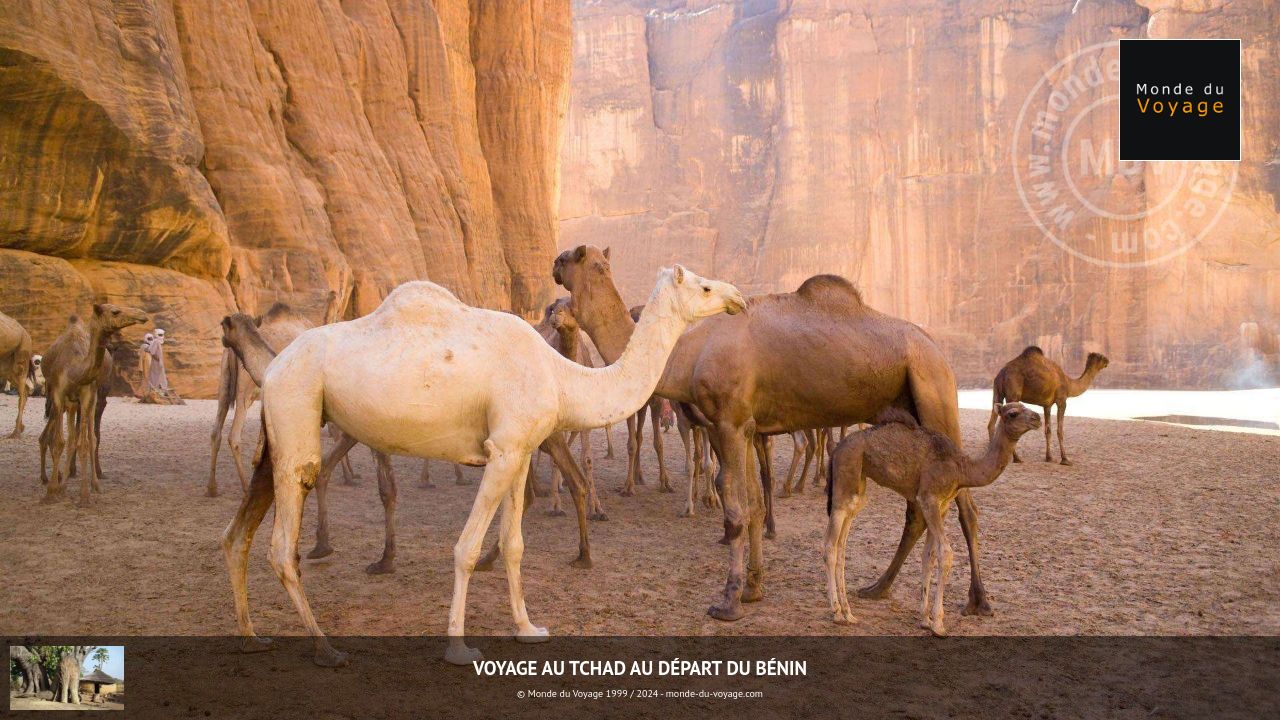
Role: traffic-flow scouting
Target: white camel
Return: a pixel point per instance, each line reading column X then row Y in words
column 455, row 383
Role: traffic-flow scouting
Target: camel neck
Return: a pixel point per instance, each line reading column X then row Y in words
column 1077, row 385
column 254, row 353
column 605, row 318
column 985, row 469
column 594, row 398
column 97, row 351
column 568, row 344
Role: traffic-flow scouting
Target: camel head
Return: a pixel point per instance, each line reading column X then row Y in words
column 697, row 297
column 560, row 315
column 1096, row 360
column 1017, row 419
column 237, row 326
column 579, row 268
column 115, row 317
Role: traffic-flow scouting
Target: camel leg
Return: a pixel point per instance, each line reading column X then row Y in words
column 243, row 401
column 512, row 540
column 810, row 449
column 386, row 491
column 635, row 431
column 588, row 467
column 926, row 581
column 291, row 486
column 226, row 394
column 501, row 477
column 655, row 422
column 88, row 443
column 968, row 511
column 556, row 477
column 820, row 454
column 937, row 563
column 911, row 529
column 54, row 427
column 593, row 501
column 424, row 479
column 46, row 438
column 608, row 442
column 847, row 499
column 764, row 455
column 235, row 547
column 796, row 443
column 1062, row 413
column 84, row 439
column 338, row 453
column 733, row 444
column 73, row 440
column 1048, row 438
column 710, row 466
column 348, row 473
column 557, row 447
column 842, row 587
column 757, row 521
column 19, row 379
column 458, row 478
column 99, row 409
column 690, row 469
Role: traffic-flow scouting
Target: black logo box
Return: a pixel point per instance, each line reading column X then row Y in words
column 1185, row 65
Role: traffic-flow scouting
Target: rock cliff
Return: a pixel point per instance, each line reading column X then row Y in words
column 763, row 141
column 192, row 157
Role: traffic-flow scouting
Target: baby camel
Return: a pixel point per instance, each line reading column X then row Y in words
column 448, row 389
column 927, row 469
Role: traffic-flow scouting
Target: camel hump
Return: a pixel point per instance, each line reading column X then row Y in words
column 1031, row 350
column 418, row 296
column 830, row 287
column 892, row 415
column 276, row 310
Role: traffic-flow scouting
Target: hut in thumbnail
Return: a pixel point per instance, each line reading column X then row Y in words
column 98, row 684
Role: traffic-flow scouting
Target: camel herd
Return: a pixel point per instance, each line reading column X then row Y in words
column 485, row 388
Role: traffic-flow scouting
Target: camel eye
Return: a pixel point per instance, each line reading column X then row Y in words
column 115, row 312
column 706, row 289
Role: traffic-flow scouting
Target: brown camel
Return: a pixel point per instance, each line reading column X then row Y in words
column 241, row 335
column 1034, row 379
column 106, row 377
column 928, row 470
column 15, row 364
column 756, row 373
column 278, row 326
column 72, row 370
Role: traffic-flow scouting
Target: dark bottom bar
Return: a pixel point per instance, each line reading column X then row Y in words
column 1113, row 677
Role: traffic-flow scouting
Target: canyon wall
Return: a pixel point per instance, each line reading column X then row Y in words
column 764, row 141
column 195, row 157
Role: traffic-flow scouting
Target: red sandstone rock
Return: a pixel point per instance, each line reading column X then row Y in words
column 763, row 142
column 192, row 157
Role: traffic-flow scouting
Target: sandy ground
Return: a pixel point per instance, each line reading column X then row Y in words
column 1157, row 529
column 35, row 703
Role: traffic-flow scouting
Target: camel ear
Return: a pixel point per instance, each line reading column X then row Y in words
column 98, row 310
column 679, row 274
column 606, row 253
column 579, row 253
